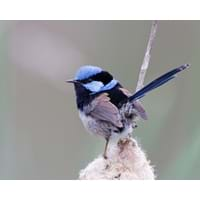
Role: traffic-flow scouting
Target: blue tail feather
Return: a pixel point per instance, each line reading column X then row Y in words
column 157, row 82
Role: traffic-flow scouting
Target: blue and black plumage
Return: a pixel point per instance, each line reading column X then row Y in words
column 105, row 107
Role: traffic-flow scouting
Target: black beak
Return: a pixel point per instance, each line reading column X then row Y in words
column 72, row 81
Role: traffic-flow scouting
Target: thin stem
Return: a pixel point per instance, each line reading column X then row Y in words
column 147, row 56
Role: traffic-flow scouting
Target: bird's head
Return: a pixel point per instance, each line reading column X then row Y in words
column 94, row 79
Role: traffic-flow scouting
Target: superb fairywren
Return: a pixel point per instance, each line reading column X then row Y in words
column 105, row 107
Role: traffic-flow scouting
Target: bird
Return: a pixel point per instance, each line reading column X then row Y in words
column 105, row 107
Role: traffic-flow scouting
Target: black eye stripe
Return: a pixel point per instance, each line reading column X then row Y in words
column 88, row 80
column 104, row 77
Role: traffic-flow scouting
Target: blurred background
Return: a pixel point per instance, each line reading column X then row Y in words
column 41, row 136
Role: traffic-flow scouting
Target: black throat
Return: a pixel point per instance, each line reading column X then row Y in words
column 82, row 96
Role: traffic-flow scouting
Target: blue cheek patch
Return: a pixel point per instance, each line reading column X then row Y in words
column 110, row 85
column 94, row 86
column 98, row 86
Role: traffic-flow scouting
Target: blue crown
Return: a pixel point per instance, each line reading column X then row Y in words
column 87, row 71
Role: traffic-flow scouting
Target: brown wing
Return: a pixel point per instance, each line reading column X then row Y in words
column 101, row 108
column 140, row 109
column 137, row 105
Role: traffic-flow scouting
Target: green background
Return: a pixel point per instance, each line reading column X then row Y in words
column 41, row 136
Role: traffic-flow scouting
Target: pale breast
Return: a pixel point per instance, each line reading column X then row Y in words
column 102, row 128
column 96, row 127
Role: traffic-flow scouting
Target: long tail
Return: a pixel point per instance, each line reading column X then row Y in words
column 157, row 82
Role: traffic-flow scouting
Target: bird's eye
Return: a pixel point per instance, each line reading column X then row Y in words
column 88, row 80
